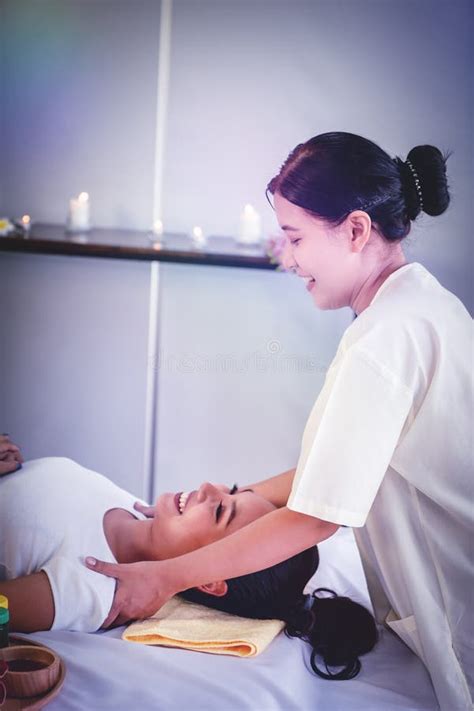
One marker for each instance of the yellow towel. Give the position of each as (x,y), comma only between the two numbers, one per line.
(188,625)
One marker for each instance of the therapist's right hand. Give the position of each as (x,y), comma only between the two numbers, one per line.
(140,590)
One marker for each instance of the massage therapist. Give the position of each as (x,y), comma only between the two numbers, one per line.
(387,448)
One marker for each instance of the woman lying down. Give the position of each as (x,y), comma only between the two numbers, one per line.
(54,509)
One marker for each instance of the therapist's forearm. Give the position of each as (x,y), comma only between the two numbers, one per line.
(261,544)
(276,489)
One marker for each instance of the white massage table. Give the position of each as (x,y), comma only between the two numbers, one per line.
(105,672)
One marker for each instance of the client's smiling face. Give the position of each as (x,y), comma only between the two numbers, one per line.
(191,520)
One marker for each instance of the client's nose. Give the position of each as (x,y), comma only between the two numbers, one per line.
(207,491)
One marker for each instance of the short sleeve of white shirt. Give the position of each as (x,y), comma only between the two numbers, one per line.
(81,602)
(349,439)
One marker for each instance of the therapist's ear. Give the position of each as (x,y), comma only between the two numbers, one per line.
(360,225)
(218,589)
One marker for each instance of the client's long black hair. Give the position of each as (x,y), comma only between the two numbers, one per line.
(338,629)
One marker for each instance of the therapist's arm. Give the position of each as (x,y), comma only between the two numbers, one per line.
(276,489)
(144,587)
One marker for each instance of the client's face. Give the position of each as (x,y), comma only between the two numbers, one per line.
(190,520)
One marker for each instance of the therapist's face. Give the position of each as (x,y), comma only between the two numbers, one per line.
(328,258)
(204,516)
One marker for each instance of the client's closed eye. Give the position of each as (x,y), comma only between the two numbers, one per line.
(219,511)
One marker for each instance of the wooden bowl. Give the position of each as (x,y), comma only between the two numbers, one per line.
(32,670)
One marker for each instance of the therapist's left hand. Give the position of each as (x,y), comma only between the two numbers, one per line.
(140,589)
(148,511)
(10,456)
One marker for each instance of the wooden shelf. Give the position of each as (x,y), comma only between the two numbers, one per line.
(133,244)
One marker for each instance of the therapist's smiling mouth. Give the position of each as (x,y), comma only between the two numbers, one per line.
(310,280)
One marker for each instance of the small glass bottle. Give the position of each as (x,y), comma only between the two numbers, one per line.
(4,620)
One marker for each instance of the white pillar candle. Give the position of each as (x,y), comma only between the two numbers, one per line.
(155,235)
(26,223)
(158,228)
(250,226)
(198,237)
(79,214)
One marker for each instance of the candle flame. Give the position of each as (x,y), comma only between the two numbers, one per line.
(83,197)
(158,227)
(26,219)
(197,233)
(249,209)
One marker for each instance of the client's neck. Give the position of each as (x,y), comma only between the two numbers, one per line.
(129,539)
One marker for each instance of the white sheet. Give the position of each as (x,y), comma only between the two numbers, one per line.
(105,672)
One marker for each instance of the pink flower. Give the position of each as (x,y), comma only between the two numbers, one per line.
(274,248)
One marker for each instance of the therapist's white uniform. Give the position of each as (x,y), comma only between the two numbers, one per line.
(388,450)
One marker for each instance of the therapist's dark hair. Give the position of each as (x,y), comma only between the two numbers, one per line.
(335,173)
(338,629)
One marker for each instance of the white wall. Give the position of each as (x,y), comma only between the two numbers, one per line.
(73,360)
(242,356)
(78,108)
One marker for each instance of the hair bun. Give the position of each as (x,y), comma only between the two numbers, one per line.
(424,181)
(300,618)
(338,628)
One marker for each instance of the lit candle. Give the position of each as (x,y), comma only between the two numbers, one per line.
(79,214)
(155,235)
(158,228)
(198,237)
(26,224)
(250,226)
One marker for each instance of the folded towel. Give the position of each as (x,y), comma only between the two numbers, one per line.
(188,625)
